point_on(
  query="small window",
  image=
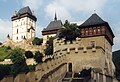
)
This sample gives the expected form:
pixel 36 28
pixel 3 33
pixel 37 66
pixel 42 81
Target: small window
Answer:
pixel 17 31
pixel 24 22
pixel 92 43
pixel 17 38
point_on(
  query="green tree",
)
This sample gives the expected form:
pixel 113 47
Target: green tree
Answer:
pixel 29 54
pixel 4 70
pixel 38 57
pixel 19 62
pixel 49 50
pixel 70 32
pixel 49 47
pixel 37 41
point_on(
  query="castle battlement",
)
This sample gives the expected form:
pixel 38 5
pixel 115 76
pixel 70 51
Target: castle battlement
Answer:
pixel 60 45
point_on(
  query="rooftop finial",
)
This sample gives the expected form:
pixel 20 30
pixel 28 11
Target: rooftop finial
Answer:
pixel 94 11
pixel 55 17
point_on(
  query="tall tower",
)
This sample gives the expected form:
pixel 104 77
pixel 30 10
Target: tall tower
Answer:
pixel 97 33
pixel 23 24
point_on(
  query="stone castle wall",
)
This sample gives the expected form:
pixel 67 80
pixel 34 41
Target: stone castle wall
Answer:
pixel 41 70
pixel 81 54
pixel 24 44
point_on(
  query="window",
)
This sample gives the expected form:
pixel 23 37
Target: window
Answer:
pixel 92 43
pixel 24 22
pixel 17 31
pixel 17 38
pixel 21 37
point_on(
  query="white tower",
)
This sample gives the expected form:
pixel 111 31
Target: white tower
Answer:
pixel 23 25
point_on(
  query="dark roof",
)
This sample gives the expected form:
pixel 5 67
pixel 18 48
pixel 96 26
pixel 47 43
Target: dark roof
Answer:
pixel 56 24
pixel 93 20
pixel 24 10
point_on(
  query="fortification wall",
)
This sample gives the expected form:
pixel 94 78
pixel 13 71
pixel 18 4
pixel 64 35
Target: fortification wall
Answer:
pixel 41 69
pixel 82 54
pixel 24 44
pixel 80 42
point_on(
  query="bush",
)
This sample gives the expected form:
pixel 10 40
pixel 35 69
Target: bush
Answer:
pixel 37 41
pixel 19 62
pixel 8 48
pixel 38 57
pixel 49 48
pixel 4 71
pixel 31 67
pixel 70 32
pixel 29 54
pixel 0 43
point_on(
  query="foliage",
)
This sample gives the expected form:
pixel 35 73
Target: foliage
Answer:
pixel 38 57
pixel 5 52
pixel 28 54
pixel 4 70
pixel 37 41
pixel 70 32
pixel 50 41
pixel 19 62
pixel 49 48
pixel 0 43
pixel 31 67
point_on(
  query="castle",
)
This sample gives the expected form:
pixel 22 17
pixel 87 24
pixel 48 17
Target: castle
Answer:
pixel 92 50
pixel 23 24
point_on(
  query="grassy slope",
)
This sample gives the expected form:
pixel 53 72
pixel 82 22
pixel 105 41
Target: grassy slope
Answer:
pixel 4 53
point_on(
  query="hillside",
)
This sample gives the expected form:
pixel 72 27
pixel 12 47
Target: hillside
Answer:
pixel 116 61
pixel 4 52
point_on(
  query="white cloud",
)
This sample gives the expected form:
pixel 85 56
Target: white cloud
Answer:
pixel 116 31
pixel 65 7
pixel 77 22
pixel 38 31
pixel 5 29
pixel 61 11
pixel 83 5
pixel 34 4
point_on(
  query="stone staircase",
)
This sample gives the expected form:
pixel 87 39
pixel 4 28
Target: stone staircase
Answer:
pixel 74 77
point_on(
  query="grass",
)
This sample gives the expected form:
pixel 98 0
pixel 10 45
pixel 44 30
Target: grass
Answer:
pixel 4 53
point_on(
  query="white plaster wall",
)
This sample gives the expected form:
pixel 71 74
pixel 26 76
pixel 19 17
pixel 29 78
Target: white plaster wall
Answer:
pixel 45 38
pixel 22 25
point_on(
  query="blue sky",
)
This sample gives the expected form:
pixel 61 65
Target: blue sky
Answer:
pixel 73 10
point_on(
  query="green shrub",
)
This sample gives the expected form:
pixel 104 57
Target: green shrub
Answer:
pixel 19 62
pixel 31 67
pixel 29 54
pixel 37 41
pixel 4 70
pixel 38 57
pixel 0 43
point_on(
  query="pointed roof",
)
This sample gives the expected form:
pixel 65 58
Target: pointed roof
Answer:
pixel 24 10
pixel 53 25
pixel 55 16
pixel 93 20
